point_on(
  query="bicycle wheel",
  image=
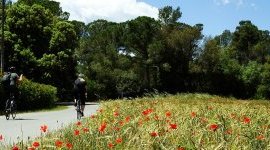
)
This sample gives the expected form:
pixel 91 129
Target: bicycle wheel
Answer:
pixel 13 108
pixel 7 114
pixel 79 113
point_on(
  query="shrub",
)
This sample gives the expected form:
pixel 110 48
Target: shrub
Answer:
pixel 36 96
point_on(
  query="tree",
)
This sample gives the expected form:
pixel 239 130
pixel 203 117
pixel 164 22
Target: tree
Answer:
pixel 245 37
pixel 53 6
pixel 31 26
pixel 209 60
pixel 40 44
pixel 167 15
pixel 140 33
pixel 225 38
pixel 104 62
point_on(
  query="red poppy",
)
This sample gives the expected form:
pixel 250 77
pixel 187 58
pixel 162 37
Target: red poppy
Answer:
pixel 140 122
pixel 31 148
pixel 168 114
pixel 118 140
pixel 102 127
pixel 110 145
pixel 213 127
pixel 69 145
pixel 58 143
pixel 210 107
pixel 146 118
pixel 153 134
pixel 173 126
pixel 204 120
pixel 127 119
pixel 79 123
pixel 43 128
pixel 121 123
pixel 229 131
pixel 180 148
pixel 35 144
pixel 1 137
pixel 246 120
pixel 92 116
pixel 156 117
pixel 100 110
pixel 193 114
pixel 116 113
pixel 116 128
pixel 15 147
pixel 147 111
pixel 260 137
pixel 85 130
pixel 76 132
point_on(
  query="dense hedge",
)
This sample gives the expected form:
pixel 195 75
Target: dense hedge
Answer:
pixel 34 96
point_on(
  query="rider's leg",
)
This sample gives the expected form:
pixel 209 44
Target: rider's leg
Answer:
pixel 83 106
pixel 83 98
pixel 9 93
pixel 7 104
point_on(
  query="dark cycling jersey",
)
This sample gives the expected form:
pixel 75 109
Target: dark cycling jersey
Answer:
pixel 80 90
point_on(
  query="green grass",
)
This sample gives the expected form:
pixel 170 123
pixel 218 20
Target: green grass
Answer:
pixel 171 122
pixel 56 108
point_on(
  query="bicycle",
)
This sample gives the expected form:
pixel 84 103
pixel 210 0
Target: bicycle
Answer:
pixel 11 107
pixel 79 109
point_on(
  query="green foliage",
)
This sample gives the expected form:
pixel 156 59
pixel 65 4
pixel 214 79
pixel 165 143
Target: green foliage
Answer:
pixel 53 6
pixel 250 74
pixel 229 65
pixel 246 36
pixel 127 82
pixel 168 15
pixel 210 57
pixel 63 37
pixel 31 25
pixel 35 96
pixel 40 42
pixel 263 90
pixel 140 33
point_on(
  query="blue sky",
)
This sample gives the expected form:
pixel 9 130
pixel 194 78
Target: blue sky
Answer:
pixel 218 15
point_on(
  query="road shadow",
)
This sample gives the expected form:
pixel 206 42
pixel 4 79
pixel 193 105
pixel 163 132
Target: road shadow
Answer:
pixel 72 103
pixel 23 119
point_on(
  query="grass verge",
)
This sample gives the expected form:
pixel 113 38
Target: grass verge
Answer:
pixel 173 122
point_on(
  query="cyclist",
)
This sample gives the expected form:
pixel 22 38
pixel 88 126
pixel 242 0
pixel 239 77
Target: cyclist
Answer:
pixel 12 88
pixel 80 91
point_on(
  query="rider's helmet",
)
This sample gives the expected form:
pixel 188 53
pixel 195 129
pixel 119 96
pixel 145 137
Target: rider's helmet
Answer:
pixel 80 75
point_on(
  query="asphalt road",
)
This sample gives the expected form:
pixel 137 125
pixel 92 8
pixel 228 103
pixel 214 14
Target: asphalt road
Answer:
pixel 27 125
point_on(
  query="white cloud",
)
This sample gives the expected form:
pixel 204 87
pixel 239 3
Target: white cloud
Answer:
pixel 254 6
pixel 222 2
pixel 226 2
pixel 111 10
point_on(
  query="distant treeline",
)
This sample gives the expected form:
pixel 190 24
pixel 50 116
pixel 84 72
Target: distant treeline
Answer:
pixel 136 56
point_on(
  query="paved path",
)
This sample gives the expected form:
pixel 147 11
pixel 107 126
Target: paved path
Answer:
pixel 27 125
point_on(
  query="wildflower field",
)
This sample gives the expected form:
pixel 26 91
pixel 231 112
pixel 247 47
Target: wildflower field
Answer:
pixel 165 122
